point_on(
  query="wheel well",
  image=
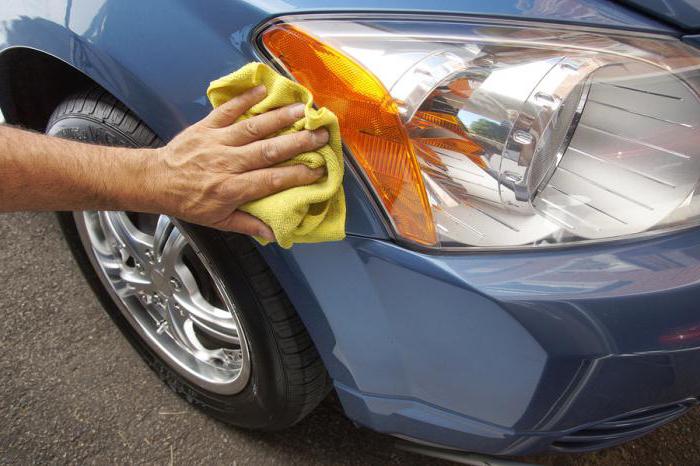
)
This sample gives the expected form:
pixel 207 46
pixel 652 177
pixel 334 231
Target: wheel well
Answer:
pixel 33 83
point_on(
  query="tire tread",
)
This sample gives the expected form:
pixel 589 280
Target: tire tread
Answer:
pixel 308 382
pixel 97 105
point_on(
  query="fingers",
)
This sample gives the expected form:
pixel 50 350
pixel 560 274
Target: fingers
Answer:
pixel 227 114
pixel 260 126
pixel 268 152
pixel 257 184
pixel 242 222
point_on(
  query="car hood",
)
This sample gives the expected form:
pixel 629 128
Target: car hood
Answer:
pixel 684 14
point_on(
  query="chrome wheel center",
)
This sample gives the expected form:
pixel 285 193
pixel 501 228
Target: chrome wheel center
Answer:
pixel 169 293
pixel 160 282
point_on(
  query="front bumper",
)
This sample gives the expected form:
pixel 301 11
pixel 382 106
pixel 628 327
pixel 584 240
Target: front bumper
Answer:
pixel 501 353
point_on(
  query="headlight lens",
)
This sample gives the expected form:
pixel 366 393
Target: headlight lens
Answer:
pixel 503 136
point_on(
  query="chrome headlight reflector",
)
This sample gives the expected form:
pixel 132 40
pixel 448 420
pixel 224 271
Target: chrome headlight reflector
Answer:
pixel 519 135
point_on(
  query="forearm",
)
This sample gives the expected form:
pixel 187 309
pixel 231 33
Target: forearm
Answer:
pixel 201 176
pixel 42 173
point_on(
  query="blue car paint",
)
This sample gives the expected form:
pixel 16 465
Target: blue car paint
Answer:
pixel 490 352
pixel 692 40
pixel 496 349
pixel 684 14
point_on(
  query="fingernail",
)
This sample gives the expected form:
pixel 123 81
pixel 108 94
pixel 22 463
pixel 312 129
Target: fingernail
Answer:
pixel 259 90
pixel 297 110
pixel 319 172
pixel 320 136
pixel 267 234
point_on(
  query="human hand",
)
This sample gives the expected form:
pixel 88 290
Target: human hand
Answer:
pixel 206 172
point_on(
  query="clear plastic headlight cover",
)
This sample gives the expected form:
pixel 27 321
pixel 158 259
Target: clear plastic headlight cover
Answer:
pixel 487 135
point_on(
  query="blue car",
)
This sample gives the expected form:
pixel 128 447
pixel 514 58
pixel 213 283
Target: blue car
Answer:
pixel 521 271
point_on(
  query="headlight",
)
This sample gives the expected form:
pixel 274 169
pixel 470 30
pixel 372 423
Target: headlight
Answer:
pixel 502 136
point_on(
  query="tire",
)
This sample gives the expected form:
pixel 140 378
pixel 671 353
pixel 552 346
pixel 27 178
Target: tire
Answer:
pixel 285 378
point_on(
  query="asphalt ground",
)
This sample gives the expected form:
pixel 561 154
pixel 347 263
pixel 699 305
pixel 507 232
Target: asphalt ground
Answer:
pixel 73 391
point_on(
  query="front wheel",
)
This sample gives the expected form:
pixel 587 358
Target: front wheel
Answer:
pixel 200 306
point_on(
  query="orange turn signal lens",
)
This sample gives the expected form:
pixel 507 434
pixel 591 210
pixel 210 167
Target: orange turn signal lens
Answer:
pixel 370 124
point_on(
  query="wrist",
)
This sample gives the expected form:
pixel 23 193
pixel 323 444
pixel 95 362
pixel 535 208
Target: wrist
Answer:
pixel 138 185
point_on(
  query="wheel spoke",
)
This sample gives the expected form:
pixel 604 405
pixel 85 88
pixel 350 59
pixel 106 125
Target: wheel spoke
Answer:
pixel 179 327
pixel 127 281
pixel 171 257
pixel 112 267
pixel 135 282
pixel 224 357
pixel 126 237
pixel 164 228
pixel 215 322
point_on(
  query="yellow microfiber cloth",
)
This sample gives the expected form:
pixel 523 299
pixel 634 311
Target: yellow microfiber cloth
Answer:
pixel 304 214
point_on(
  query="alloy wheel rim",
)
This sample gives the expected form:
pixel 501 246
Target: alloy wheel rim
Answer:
pixel 170 293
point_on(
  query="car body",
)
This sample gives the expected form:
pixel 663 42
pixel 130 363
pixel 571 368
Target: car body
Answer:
pixel 498 352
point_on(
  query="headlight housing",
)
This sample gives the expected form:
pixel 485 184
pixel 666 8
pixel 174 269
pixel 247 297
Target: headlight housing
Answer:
pixel 483 135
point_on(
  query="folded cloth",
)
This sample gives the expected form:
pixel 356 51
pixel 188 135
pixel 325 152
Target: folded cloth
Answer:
pixel 304 214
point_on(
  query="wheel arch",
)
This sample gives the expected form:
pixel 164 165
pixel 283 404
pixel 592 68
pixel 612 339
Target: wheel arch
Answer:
pixel 33 82
pixel 27 97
